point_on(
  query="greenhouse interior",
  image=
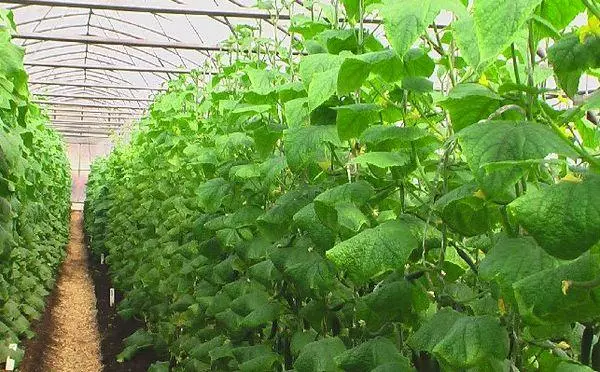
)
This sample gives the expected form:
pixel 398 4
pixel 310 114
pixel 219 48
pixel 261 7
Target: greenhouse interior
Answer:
pixel 300 185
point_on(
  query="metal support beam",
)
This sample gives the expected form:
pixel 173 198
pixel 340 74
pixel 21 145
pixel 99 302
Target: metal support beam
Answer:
pixel 50 110
pixel 65 130
pixel 112 118
pixel 177 10
pixel 56 103
pixel 87 123
pixel 90 85
pixel 85 129
pixel 100 98
pixel 93 40
pixel 107 67
pixel 85 139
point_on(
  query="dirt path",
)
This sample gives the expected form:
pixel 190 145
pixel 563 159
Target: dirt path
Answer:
pixel 72 338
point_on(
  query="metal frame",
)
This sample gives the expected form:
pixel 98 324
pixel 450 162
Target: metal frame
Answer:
pixel 83 136
pixel 87 97
pixel 90 85
pixel 108 67
pixel 86 119
pixel 99 131
pixel 86 123
pixel 94 40
pixel 58 103
pixel 84 129
pixel 83 110
pixel 177 10
pixel 62 128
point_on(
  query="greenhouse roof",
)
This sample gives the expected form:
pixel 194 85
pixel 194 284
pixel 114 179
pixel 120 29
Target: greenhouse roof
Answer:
pixel 97 64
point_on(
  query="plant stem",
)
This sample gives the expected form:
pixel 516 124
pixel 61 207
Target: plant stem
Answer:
pixel 592 7
pixel 590 284
pixel 465 257
pixel 586 345
pixel 449 55
pixel 596 357
pixel 361 30
pixel 515 64
pixel 505 222
pixel 530 71
pixel 580 150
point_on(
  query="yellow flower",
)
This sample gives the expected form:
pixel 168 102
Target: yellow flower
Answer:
pixel 479 194
pixel 501 306
pixel 562 99
pixel 571 178
pixel 591 29
pixel 325 165
pixel 484 81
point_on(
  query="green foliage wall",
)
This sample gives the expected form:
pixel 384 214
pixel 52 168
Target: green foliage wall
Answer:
pixel 35 193
pixel 338 213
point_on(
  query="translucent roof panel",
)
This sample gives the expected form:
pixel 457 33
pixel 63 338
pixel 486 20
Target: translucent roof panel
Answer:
pixel 97 64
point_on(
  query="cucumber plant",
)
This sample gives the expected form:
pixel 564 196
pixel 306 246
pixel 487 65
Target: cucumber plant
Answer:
pixel 423 199
pixel 35 194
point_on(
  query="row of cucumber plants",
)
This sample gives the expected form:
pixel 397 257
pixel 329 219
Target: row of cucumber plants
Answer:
pixel 35 192
pixel 340 211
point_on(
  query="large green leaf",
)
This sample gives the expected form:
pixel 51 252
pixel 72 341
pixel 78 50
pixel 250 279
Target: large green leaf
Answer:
pixel 391 136
pixel 297 113
pixel 383 159
pixel 352 194
pixel 276 222
pixel 405 21
pixel 434 330
pixel 560 13
pixel 353 119
pixel 563 218
pixel 139 340
pixel 396 301
pixel 212 193
pixel 466 39
pixel 305 267
pixel 493 141
pixel 371 354
pixel 306 146
pixel 512 259
pixel 351 75
pixel 256 358
pixel 541 299
pixel 322 87
pixel 468 103
pixel 462 341
pixel 261 81
pixel 467 213
pixel 306 219
pixel 473 341
pixel 374 251
pixel 318 63
pixel 498 23
pixel 318 356
pixel 571 58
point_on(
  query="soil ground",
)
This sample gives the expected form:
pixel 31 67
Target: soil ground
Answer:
pixel 68 337
pixel 80 331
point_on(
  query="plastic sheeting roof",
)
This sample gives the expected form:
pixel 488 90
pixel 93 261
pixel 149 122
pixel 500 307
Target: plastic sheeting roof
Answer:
pixel 97 99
